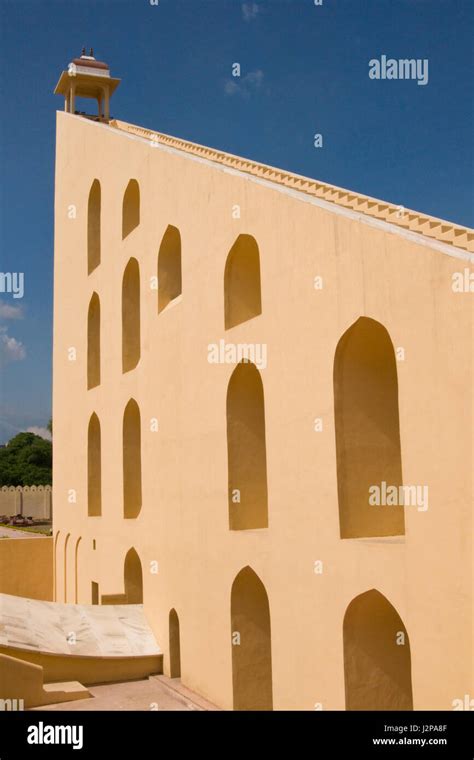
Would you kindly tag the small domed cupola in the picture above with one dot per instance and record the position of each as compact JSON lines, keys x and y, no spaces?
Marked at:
{"x":87,"y":78}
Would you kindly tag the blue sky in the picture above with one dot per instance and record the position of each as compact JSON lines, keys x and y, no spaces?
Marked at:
{"x":304,"y":70}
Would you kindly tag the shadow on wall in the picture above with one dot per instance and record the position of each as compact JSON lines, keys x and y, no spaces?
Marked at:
{"x":251,"y":643}
{"x":93,"y":342}
{"x":132,"y":582}
{"x":242,"y":290}
{"x":94,"y":469}
{"x":93,"y":227}
{"x":377,"y":662}
{"x":132,"y":461}
{"x":130,"y":208}
{"x":246,"y":449}
{"x":367,"y":429}
{"x":131,"y":316}
{"x":169,"y":268}
{"x":175,"y":646}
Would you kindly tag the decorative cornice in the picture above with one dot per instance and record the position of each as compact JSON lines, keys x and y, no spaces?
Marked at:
{"x":429,"y":226}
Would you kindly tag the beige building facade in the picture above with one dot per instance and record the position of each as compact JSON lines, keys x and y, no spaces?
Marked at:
{"x":298,"y":525}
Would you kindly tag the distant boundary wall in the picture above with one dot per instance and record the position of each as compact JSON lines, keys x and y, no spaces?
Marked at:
{"x":29,"y":501}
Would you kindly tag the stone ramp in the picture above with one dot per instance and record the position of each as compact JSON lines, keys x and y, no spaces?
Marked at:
{"x":76,"y":629}
{"x":89,"y":643}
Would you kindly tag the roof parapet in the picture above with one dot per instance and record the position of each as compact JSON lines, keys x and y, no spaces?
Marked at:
{"x":423,"y":224}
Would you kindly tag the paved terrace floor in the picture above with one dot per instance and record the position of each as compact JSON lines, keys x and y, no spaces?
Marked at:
{"x":157,"y":693}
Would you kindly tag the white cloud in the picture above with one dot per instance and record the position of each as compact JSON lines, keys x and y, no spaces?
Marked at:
{"x":250,"y":11}
{"x":231,"y":87}
{"x":11,"y":349}
{"x":7,"y":311}
{"x":41,"y":431}
{"x":244,"y":86}
{"x":254,"y":78}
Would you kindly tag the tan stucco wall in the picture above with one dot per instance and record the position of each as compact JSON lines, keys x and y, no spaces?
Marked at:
{"x":22,"y":683}
{"x":26,"y":567}
{"x":368,"y":269}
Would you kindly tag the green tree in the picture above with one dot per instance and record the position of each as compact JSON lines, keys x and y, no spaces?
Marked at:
{"x":26,"y":460}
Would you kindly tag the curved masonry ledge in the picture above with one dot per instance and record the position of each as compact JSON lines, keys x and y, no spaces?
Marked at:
{"x":75,"y":629}
{"x":425,"y":225}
